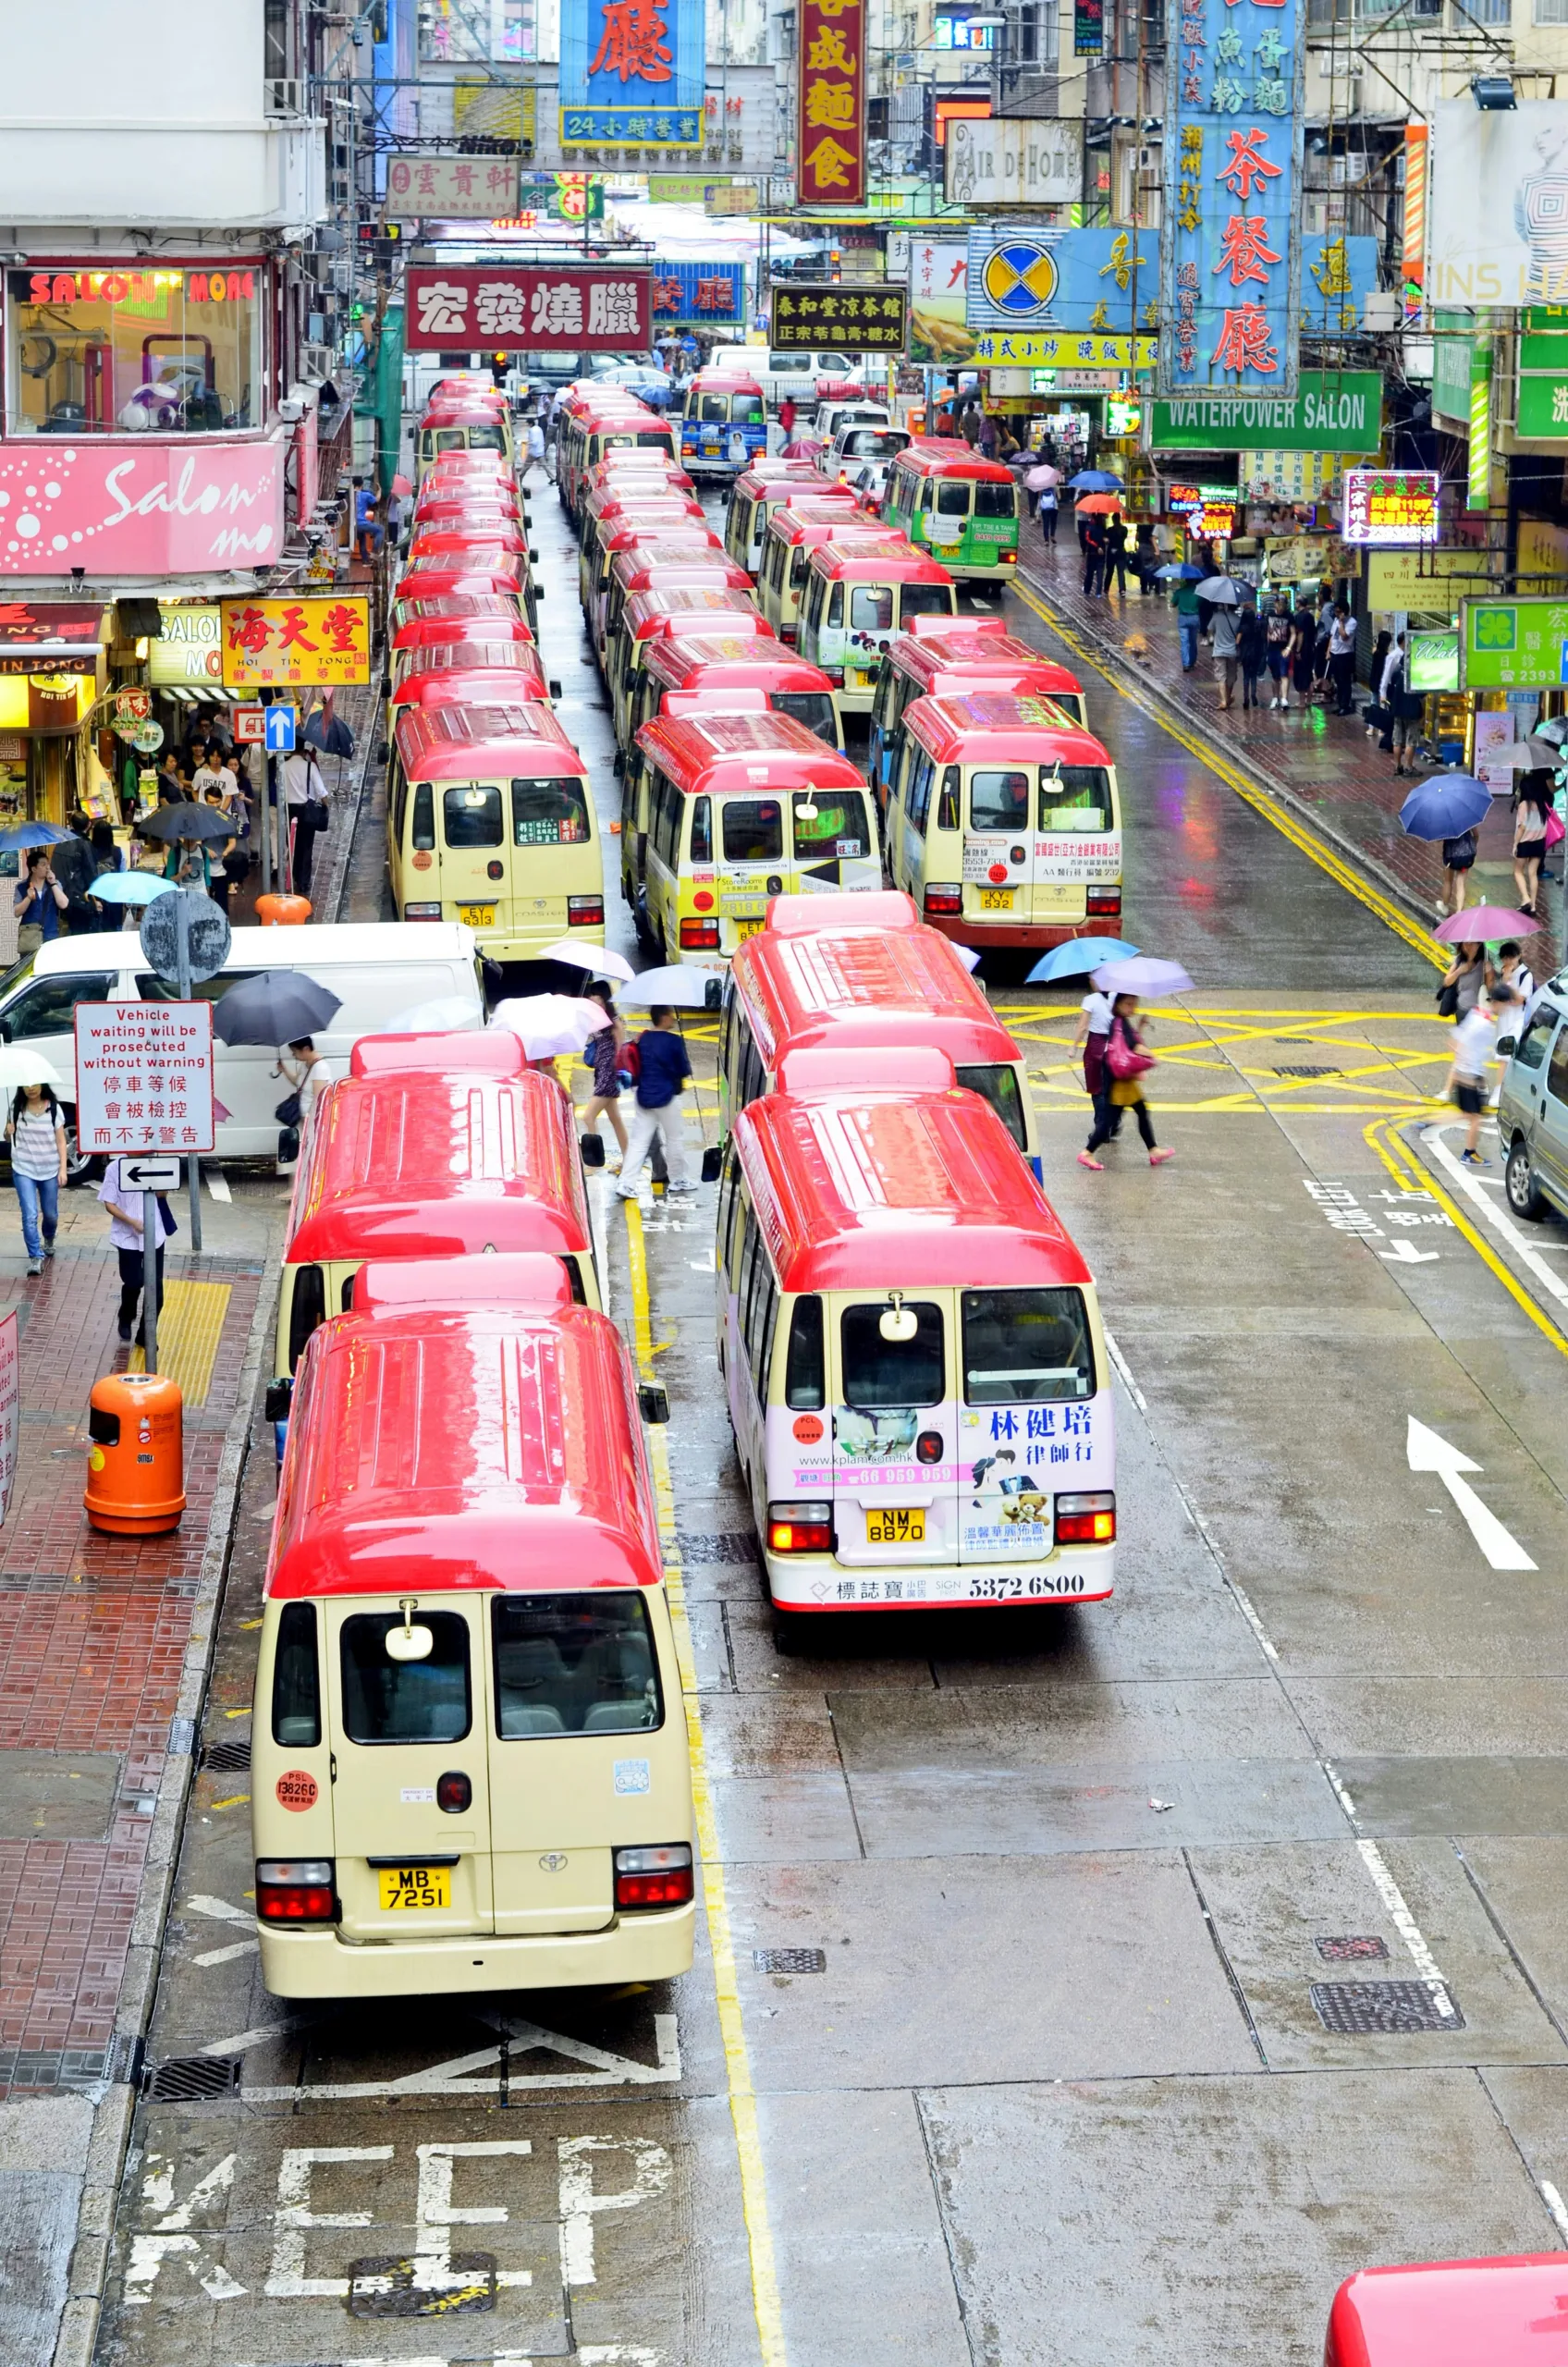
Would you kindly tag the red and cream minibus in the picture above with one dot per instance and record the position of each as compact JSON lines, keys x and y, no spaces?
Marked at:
{"x":852,"y":604}
{"x":942,"y":654}
{"x":792,"y":536}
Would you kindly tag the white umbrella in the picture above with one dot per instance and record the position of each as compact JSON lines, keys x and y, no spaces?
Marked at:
{"x":681,"y":984}
{"x":441,"y":1016}
{"x":19,"y":1066}
{"x":547,"y":1026}
{"x":597,"y":960}
{"x":1140,"y":975}
{"x":1523,"y":755}
{"x":1221,"y":591}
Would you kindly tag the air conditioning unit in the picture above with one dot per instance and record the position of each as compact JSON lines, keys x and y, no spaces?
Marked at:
{"x":316,"y":360}
{"x":1381,"y":311}
{"x":284,"y":94}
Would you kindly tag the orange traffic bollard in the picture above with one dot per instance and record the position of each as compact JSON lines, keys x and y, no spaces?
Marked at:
{"x":136,"y":1454}
{"x":282,"y":911}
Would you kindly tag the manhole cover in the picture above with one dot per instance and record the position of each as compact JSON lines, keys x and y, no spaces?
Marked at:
{"x":227,"y":1757}
{"x":1382,"y":2009}
{"x":718,"y":1545}
{"x":411,"y":2289}
{"x":1304,"y":1068}
{"x":188,"y":2078}
{"x":1353,"y":1947}
{"x":790,"y":1959}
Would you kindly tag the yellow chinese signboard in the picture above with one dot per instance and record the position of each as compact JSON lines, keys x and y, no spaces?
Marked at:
{"x":1066,"y":349}
{"x":315,"y":644}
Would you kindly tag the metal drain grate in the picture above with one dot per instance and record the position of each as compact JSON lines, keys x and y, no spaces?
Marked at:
{"x":1304,"y":1068}
{"x":718,"y":1545}
{"x":191,"y":2078}
{"x":1382,"y":2009}
{"x":227,"y":1758}
{"x":1353,"y":1947}
{"x":790,"y":1959}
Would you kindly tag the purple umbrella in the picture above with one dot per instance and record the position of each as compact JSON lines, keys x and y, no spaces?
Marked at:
{"x":1484,"y":925}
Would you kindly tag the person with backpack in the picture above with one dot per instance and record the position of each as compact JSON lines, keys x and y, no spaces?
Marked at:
{"x":664,"y":1065}
{"x":35,"y":1135}
{"x":1277,"y":648}
{"x":1126,"y":1064}
{"x":39,"y":904}
{"x":1459,"y":854}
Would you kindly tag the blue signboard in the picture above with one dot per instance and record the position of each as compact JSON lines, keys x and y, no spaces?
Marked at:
{"x":1229,"y":249}
{"x":278,"y":727}
{"x":714,"y":293}
{"x":1084,"y":284}
{"x":631,"y":73}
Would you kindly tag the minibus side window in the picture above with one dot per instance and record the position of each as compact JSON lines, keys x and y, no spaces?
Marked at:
{"x":998,"y":800}
{"x":813,"y":708}
{"x":948,"y":806}
{"x":805,"y":1384}
{"x":754,"y":829}
{"x":345,"y":1295}
{"x":997,"y":1083}
{"x":882,"y":698}
{"x":472,"y":818}
{"x":747,"y":1267}
{"x":1026,"y":1347}
{"x":401,"y":806}
{"x":726,"y":1190}
{"x":296,"y":1679}
{"x":732,"y":1249}
{"x":881,"y":1373}
{"x":835,"y":606}
{"x":578,"y":1663}
{"x":927,"y":600}
{"x":386,"y":1700}
{"x":815,"y":592}
{"x":424,"y":819}
{"x":574,"y":1280}
{"x":764,"y":1320}
{"x":1075,"y":797}
{"x":549,"y":813}
{"x":838,"y":830}
{"x":871,"y":609}
{"x":917,"y":794}
{"x":701,"y":830}
{"x":306,"y":1310}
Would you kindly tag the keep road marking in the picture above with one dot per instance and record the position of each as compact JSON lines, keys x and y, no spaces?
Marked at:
{"x":1430,"y":1452}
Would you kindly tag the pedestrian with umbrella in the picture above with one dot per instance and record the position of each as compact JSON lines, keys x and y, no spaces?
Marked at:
{"x":283,"y":1008}
{"x":187,"y":831}
{"x":35,"y":1135}
{"x":1225,"y":642}
{"x":1448,"y":809}
{"x":1126,"y":1061}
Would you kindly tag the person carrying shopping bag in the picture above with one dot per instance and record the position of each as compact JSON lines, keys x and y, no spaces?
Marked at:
{"x":664,"y":1066}
{"x":1126,"y":1064}
{"x":35,"y":1133}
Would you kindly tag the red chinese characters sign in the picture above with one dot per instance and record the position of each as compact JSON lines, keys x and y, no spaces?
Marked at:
{"x":831,"y":133}
{"x":530,"y":308}
{"x":320,"y":643}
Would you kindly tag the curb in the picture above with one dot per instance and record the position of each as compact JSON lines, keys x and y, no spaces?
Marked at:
{"x":1265,"y":784}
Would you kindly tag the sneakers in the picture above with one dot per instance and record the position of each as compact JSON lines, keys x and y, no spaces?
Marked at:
{"x":49,"y":1246}
{"x":1087,"y":1158}
{"x":632,"y":1194}
{"x":679,"y":1191}
{"x":1272,"y":704}
{"x":35,"y":1265}
{"x":1159,"y":1157}
{"x":1471,"y":1158}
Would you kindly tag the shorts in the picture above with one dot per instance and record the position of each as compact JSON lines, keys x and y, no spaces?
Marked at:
{"x":1530,"y":851}
{"x":1402,"y":729}
{"x":1469,"y":1099}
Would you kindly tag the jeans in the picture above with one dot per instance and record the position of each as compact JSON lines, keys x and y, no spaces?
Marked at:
{"x":1188,"y":628}
{"x":133,"y":1271}
{"x":1047,"y":523}
{"x":1094,"y":571}
{"x":35,"y":1193}
{"x":1341,"y":673}
{"x":642,"y":1127}
{"x":1250,"y":679}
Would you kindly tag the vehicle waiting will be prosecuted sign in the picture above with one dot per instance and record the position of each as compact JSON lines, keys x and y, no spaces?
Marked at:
{"x":144,"y":1076}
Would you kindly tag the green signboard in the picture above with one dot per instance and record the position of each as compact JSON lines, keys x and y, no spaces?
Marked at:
{"x":1434,"y":661}
{"x":1543,"y":337}
{"x":1451,"y":364}
{"x":1543,"y":407}
{"x":1334,"y":411}
{"x":1513,"y":645}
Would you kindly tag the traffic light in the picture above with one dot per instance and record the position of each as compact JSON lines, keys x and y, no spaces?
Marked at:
{"x":498,"y":363}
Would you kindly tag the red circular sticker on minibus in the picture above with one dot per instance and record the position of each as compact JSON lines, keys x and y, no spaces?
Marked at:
{"x":423,"y":862}
{"x":997,"y":871}
{"x":808,"y":1429}
{"x":296,"y":1789}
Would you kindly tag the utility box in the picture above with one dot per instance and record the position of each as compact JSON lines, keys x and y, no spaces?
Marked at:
{"x":135,"y":1454}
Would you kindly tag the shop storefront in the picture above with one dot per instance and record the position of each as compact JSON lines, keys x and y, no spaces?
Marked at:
{"x":52,"y":670}
{"x":178,"y":348}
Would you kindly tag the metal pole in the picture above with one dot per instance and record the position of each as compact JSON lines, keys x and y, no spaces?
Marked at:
{"x":182,"y":957}
{"x":264,"y":818}
{"x":150,"y":1277}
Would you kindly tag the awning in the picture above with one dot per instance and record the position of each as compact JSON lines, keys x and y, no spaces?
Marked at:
{"x":67,"y":628}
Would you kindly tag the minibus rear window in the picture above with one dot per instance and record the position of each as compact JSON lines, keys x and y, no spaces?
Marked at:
{"x":549,"y":814}
{"x":387,"y":1700}
{"x":472,"y":818}
{"x":579,"y":1663}
{"x":713,"y":407}
{"x":871,"y":608}
{"x":927,"y":600}
{"x":486,"y":439}
{"x":748,"y":410}
{"x":754,"y":830}
{"x":997,"y":1083}
{"x":1075,"y":797}
{"x":1024,"y":1347}
{"x":813,"y":708}
{"x":655,"y":437}
{"x":999,"y":801}
{"x":884,"y":1373}
{"x":296,"y":1679}
{"x":838,"y":828}
{"x":449,"y":439}
{"x":952,"y":498}
{"x":995,"y":501}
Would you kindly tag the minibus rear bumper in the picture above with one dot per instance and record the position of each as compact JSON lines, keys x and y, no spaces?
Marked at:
{"x":821,"y":1582}
{"x":654,"y":1946}
{"x":1036,"y":936}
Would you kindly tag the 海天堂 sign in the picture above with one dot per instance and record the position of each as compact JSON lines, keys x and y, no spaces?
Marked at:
{"x":317,"y":644}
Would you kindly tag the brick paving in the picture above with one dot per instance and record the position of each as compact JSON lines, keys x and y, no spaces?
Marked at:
{"x":1326,"y":764}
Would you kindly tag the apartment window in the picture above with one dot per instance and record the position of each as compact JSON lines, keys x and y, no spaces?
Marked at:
{"x":171,"y":350}
{"x":1498,"y":12}
{"x":1552,"y":12}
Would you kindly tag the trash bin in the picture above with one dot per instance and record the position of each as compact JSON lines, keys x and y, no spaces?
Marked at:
{"x":135,"y":1454}
{"x":283,"y":912}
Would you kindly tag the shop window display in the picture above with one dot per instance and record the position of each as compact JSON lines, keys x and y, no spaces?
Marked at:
{"x":124,"y":351}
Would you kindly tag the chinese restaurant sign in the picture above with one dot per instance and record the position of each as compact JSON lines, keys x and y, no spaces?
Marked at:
{"x":1230,"y":254}
{"x":1097,"y":281}
{"x":534,"y":308}
{"x":1391,"y":508}
{"x":319,"y":643}
{"x":831,"y":132}
{"x":1333,"y":412}
{"x":837,"y":318}
{"x":633,"y":71}
{"x":450,"y":188}
{"x":704,"y":292}
{"x":1513,"y":645}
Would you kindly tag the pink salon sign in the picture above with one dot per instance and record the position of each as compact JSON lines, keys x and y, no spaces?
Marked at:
{"x":143,"y":505}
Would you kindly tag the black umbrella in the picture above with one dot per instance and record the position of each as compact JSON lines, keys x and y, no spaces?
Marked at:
{"x":277,"y":1008}
{"x":189,"y":822}
{"x":330,"y":733}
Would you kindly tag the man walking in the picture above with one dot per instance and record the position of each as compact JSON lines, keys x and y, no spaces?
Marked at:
{"x":663,"y":1067}
{"x":1188,"y":620}
{"x":1226,"y":654}
{"x":1341,"y":658}
{"x":1093,"y":539}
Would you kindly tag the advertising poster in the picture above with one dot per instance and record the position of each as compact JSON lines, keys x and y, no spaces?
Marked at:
{"x":701,"y":294}
{"x":1511,"y":250}
{"x":831,"y":132}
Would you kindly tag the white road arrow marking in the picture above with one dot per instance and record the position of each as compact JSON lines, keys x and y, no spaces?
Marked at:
{"x":1428,"y":1451}
{"x":1404,"y":1253}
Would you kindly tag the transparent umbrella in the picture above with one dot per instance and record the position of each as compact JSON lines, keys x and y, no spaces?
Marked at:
{"x":547,"y":1026}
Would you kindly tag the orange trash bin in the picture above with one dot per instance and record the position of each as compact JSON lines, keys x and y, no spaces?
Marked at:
{"x":135,"y":1454}
{"x":283,"y":912}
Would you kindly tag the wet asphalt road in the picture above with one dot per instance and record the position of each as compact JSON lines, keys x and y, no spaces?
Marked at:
{"x":1178,"y":1956}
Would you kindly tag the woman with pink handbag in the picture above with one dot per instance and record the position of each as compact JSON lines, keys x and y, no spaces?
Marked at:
{"x":1126,"y":1062}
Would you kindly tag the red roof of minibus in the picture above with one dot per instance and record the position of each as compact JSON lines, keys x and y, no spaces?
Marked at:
{"x":821,"y":521}
{"x":440,"y":633}
{"x":633,"y":500}
{"x":841,"y":910}
{"x":469,"y":686}
{"x":482,"y":543}
{"x":975,"y":726}
{"x":693,"y":661}
{"x":841,"y":563}
{"x":431,"y":1451}
{"x":450,"y":608}
{"x":413,"y":1165}
{"x":878,"y":1191}
{"x":519,"y":659}
{"x":899,"y":985}
{"x":652,"y":614}
{"x":466,"y":409}
{"x":1452,"y":2313}
{"x":865,"y":1068}
{"x":637,"y":571}
{"x":947,"y":660}
{"x":715,"y":698}
{"x":720,"y":752}
{"x":948,"y":456}
{"x":467,"y":509}
{"x":512,"y":1278}
{"x":466,"y":1051}
{"x":486,"y":744}
{"x":432,"y":582}
{"x":767,"y":472}
{"x":723,"y":378}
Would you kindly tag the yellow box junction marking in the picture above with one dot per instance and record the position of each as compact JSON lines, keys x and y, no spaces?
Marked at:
{"x":189,"y":1327}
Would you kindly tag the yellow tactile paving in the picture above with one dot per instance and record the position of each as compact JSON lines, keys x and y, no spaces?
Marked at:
{"x":189,"y":1330}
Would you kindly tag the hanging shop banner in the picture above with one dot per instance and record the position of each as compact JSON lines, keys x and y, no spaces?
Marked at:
{"x":831,"y":132}
{"x":1513,"y":645}
{"x":707,"y":295}
{"x":1288,"y":476}
{"x":1417,"y":139}
{"x":450,"y":189}
{"x":1037,"y":278}
{"x":1495,"y":207}
{"x":531,"y":308}
{"x":190,"y":648}
{"x":1424,"y":582}
{"x":1088,"y":28}
{"x":1391,"y":508}
{"x":1332,"y":412}
{"x":938,"y":276}
{"x":1543,"y":337}
{"x":1543,"y":409}
{"x":1229,"y":249}
{"x":1005,"y":160}
{"x":633,"y":71}
{"x":807,"y":319}
{"x":1433,"y":661}
{"x":1108,"y":357}
{"x":323,"y":643}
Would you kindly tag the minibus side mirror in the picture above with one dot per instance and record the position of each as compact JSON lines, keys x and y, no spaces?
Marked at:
{"x":593,"y":1150}
{"x":555,"y":689}
{"x":712,"y":1163}
{"x":278,"y":1399}
{"x":652,"y":1403}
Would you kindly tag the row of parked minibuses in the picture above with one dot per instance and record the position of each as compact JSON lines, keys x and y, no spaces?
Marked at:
{"x":489,"y":818}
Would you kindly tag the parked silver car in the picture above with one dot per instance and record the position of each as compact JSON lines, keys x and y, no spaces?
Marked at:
{"x":1532,"y":1110}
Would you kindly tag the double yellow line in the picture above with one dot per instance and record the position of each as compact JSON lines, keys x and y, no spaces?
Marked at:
{"x":1427,"y":1181}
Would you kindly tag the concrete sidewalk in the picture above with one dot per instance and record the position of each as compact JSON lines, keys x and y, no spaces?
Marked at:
{"x":1337,"y":779}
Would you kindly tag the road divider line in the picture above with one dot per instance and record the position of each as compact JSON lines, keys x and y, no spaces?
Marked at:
{"x":1500,"y":1221}
{"x":1393,"y":1899}
{"x":1372,"y":1135}
{"x":766,"y":2304}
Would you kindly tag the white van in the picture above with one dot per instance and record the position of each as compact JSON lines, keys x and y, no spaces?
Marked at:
{"x":380,"y":971}
{"x":796,"y":374}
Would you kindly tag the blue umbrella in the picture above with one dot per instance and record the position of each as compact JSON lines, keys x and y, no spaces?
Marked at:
{"x":1181,"y":570}
{"x":129,"y":887}
{"x":1078,"y":957}
{"x":1444,"y":807}
{"x":31,"y":834}
{"x":1094,"y":480}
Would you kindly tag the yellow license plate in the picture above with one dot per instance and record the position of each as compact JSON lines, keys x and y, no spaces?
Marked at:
{"x":415,"y":1886}
{"x":896,"y":1524}
{"x":747,"y":928}
{"x":996,"y":899}
{"x":477,"y":915}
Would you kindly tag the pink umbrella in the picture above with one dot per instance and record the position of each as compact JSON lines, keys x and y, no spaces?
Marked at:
{"x":1484,"y":925}
{"x":401,"y":487}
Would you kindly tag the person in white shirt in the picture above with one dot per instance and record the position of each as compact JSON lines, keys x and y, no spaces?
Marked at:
{"x":1093,"y":1035}
{"x":127,"y":1220}
{"x":1473,"y":1041}
{"x":303,"y":787}
{"x":310,"y":1075}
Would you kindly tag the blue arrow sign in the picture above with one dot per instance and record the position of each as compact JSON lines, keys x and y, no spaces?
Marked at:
{"x":279,"y":730}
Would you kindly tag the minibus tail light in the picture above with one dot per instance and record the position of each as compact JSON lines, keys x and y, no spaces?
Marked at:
{"x":454,"y":1792}
{"x":1085,"y":1520}
{"x":946,"y":902}
{"x":800,"y":1528}
{"x":660,"y":1876}
{"x":1103,"y":900}
{"x":584,"y":912}
{"x":698,"y":937}
{"x":295,"y":1890}
{"x":422,"y":912}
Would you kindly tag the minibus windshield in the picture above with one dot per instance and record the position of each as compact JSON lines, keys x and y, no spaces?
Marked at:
{"x":997,"y":1083}
{"x":574,"y":1664}
{"x":389,"y":1700}
{"x":1024,"y":1347}
{"x":813,"y":708}
{"x":881,"y":1373}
